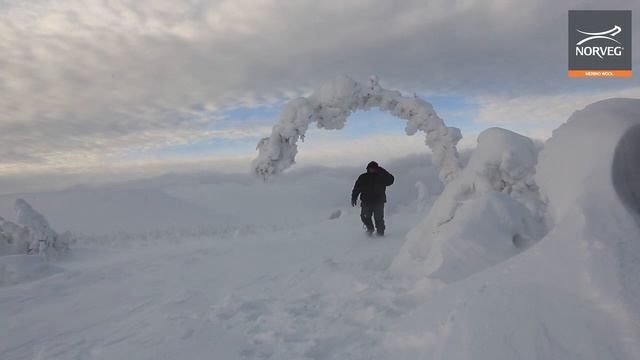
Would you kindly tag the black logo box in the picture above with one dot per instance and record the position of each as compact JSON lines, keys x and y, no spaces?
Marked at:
{"x":598,"y":21}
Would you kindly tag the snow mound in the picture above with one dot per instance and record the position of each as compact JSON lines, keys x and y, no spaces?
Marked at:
{"x":598,"y":148}
{"x":330,"y":106}
{"x":472,"y":243}
{"x":485,"y":215}
{"x":18,"y":269}
{"x":573,"y":295}
{"x":590,"y":139}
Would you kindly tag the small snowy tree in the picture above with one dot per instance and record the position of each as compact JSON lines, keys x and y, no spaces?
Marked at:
{"x":42,"y":236}
{"x":30,"y":234}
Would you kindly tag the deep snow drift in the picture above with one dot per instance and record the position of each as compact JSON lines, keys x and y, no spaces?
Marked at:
{"x":523,"y":255}
{"x":575,"y":294}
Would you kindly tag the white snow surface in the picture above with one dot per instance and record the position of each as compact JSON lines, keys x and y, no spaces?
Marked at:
{"x":489,"y":212}
{"x":311,"y":287}
{"x":16,"y":269}
{"x":331,"y":105}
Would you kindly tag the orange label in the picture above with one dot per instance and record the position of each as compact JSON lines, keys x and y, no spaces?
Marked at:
{"x":600,"y":73}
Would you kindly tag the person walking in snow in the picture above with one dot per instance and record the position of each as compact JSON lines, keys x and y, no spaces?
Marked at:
{"x":371,"y":187}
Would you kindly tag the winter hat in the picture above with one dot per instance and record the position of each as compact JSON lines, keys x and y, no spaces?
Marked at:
{"x":372,"y":164}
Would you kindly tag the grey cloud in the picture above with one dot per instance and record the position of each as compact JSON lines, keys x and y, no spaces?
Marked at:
{"x":80,"y":76}
{"x":13,"y":157}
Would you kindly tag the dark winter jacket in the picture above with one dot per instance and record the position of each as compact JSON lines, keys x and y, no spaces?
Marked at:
{"x":371,"y":187}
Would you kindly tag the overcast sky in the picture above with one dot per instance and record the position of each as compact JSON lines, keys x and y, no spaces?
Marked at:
{"x":89,"y":86}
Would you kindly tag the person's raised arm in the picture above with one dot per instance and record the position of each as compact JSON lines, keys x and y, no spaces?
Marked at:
{"x":388,"y":178}
{"x":355,"y":192}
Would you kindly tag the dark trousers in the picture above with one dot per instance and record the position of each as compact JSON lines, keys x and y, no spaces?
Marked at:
{"x":377,"y":210}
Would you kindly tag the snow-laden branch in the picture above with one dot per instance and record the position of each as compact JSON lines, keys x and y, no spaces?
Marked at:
{"x":334,"y":102}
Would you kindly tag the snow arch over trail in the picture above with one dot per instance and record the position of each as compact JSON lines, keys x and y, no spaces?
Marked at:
{"x":331,"y":105}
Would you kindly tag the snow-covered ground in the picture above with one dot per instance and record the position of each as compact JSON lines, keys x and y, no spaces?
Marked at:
{"x":524,"y":255}
{"x":170,"y":292}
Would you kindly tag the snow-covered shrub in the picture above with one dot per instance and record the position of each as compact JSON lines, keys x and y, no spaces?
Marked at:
{"x":31,"y":233}
{"x":495,"y":192}
{"x":331,"y":105}
{"x":504,"y":162}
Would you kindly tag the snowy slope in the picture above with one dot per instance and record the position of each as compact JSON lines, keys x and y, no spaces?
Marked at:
{"x":314,"y":288}
{"x":214,"y":200}
{"x":104,"y":210}
{"x":199,"y":299}
{"x":574,"y":295}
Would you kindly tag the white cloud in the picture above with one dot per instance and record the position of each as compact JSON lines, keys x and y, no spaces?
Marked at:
{"x":337,"y":151}
{"x":548,"y":110}
{"x":84,"y":81}
{"x":320,"y":149}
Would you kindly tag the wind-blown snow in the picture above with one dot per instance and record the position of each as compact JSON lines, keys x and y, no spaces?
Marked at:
{"x":541,"y":261}
{"x":14,"y":239}
{"x":331,"y":105}
{"x":17,"y":269}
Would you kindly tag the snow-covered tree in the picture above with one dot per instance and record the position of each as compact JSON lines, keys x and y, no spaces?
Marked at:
{"x":331,"y":105}
{"x":494,"y":197}
{"x":31,"y":233}
{"x":42,"y":236}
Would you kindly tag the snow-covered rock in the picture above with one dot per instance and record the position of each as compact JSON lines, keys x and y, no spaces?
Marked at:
{"x":330,"y":106}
